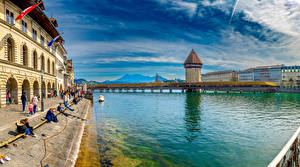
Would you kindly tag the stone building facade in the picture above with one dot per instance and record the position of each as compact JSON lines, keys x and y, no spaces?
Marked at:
{"x":24,"y":54}
{"x":193,"y":66}
{"x":220,"y":76}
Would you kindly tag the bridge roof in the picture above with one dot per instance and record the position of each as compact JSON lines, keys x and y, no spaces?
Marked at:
{"x":193,"y":59}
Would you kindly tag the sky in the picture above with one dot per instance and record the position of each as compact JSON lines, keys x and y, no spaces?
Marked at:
{"x":107,"y":39}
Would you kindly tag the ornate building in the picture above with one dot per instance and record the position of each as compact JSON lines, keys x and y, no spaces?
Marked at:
{"x":24,"y":54}
{"x":220,"y":76}
{"x":193,"y":67}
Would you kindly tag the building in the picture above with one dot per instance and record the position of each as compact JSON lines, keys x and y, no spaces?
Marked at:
{"x":24,"y":54}
{"x":268,"y":74}
{"x":220,"y":76}
{"x":290,"y":77}
{"x":246,"y":75}
{"x":193,"y":67}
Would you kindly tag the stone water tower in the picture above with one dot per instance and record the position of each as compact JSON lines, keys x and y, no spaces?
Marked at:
{"x":193,"y":67}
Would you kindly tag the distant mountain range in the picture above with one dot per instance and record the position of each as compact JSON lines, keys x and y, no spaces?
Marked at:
{"x":128,"y":78}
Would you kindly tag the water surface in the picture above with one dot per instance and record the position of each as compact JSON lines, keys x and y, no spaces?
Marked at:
{"x":163,"y":129}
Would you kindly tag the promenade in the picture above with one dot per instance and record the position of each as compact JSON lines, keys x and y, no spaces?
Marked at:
{"x":62,"y":148}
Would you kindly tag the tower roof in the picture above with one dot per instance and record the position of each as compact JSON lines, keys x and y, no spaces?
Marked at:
{"x":192,"y":59}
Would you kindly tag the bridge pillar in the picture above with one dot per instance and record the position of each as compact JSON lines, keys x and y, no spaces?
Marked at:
{"x":134,"y":90}
{"x":120,"y":90}
{"x":194,"y":90}
{"x":101,"y":90}
{"x":152,"y":90}
{"x":161,"y":90}
{"x":182,"y":90}
{"x":127,"y":90}
{"x":107,"y":90}
{"x":113,"y":90}
{"x":227,"y":91}
{"x":143,"y":90}
{"x":170,"y":90}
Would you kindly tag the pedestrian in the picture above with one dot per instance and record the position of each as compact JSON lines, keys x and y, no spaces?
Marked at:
{"x":7,"y":99}
{"x":66,"y":100}
{"x":35,"y":103}
{"x":50,"y":116}
{"x":24,"y":127}
{"x":30,"y":106}
{"x":23,"y":99}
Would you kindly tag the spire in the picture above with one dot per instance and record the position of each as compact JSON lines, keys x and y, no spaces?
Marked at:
{"x":193,"y":61}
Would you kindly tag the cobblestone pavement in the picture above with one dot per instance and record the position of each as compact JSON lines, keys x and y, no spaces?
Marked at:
{"x":11,"y":114}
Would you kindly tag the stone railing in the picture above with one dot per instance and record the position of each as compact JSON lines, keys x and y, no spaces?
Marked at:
{"x":289,"y":155}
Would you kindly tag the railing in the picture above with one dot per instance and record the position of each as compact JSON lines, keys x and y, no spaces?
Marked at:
{"x":289,"y":155}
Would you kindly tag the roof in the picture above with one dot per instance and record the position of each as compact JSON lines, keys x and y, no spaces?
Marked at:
{"x":193,"y":58}
{"x":39,"y":16}
{"x":219,"y":72}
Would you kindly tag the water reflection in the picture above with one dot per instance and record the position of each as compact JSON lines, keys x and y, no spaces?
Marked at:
{"x":192,"y":116}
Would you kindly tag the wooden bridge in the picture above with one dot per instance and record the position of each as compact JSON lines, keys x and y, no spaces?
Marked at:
{"x":266,"y":87}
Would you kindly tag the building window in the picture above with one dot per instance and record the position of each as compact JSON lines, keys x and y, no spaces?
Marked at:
{"x":42,"y":62}
{"x":9,"y":17}
{"x":48,"y":66}
{"x":10,"y":47}
{"x":42,"y":40}
{"x":24,"y":26}
{"x":34,"y":34}
{"x":25,"y":55}
{"x":53,"y":68}
{"x":35,"y":60}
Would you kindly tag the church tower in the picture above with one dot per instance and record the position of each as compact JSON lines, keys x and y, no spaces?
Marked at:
{"x":193,"y":67}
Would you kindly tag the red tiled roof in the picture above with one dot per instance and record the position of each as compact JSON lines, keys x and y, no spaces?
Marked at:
{"x":193,"y":59}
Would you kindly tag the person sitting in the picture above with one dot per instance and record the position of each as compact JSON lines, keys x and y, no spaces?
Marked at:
{"x":66,"y":100}
{"x":2,"y":158}
{"x":50,"y":116}
{"x":24,"y":127}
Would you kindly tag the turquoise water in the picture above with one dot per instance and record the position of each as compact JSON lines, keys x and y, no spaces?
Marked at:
{"x":163,"y":129}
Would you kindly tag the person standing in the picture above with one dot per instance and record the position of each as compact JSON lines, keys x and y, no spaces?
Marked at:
{"x":23,"y":99}
{"x":35,"y":103}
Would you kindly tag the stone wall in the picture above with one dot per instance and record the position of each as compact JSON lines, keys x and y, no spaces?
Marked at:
{"x":193,"y":75}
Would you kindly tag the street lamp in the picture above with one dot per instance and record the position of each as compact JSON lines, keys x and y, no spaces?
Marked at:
{"x":42,"y":87}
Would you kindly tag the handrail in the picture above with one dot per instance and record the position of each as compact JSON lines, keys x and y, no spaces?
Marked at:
{"x":282,"y":154}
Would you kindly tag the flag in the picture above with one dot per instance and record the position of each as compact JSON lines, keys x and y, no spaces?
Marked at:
{"x":51,"y":42}
{"x":27,"y":10}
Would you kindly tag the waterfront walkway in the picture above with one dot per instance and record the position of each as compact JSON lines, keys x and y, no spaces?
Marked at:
{"x":62,"y":148}
{"x":13,"y":113}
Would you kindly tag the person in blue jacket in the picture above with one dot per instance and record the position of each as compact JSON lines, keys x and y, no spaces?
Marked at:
{"x":50,"y":116}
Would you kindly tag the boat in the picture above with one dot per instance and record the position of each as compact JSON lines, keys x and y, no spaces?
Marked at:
{"x":101,"y":98}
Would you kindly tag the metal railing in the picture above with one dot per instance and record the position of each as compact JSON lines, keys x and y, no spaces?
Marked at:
{"x":289,"y":155}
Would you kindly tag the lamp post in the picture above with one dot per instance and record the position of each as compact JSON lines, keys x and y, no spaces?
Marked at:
{"x":43,"y":93}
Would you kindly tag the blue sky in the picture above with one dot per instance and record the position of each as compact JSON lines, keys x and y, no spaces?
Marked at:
{"x":109,"y":38}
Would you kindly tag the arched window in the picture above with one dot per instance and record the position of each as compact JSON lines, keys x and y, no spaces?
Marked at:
{"x":25,"y":55}
{"x":35,"y":65}
{"x":48,"y":66}
{"x":10,"y":46}
{"x":53,"y":68}
{"x":42,"y":62}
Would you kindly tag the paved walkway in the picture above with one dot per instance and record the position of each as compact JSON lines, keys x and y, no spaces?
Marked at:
{"x":62,"y":147}
{"x":11,"y":114}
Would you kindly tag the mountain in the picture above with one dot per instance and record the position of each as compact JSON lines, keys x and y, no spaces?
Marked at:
{"x":128,"y":78}
{"x":137,"y":78}
{"x":80,"y":81}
